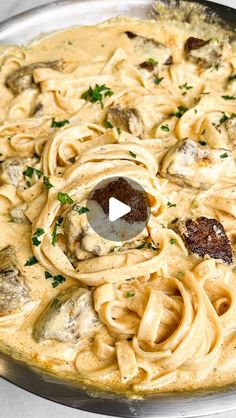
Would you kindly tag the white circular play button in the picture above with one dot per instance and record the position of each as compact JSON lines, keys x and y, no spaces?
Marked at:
{"x":118,"y":209}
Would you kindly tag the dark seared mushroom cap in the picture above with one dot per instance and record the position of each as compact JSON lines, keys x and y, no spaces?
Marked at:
{"x":206,"y":237}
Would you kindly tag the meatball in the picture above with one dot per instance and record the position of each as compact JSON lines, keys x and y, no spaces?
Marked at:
{"x":187,"y":163}
{"x":13,"y":291}
{"x":206,"y":237}
{"x":69,"y":317}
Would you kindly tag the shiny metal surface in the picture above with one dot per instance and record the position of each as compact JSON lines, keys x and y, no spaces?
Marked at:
{"x":19,"y":30}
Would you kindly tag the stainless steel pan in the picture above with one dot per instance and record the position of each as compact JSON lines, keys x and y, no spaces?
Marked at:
{"x":20,"y":29}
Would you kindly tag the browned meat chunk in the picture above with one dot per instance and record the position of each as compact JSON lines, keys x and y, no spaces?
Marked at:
{"x":68,"y":317}
{"x":22,"y":79}
{"x":206,"y":237}
{"x":13,"y":292}
{"x":205,"y":53}
{"x":127,"y":119}
{"x":12,"y":170}
{"x":187,"y":163}
{"x":194,"y":43}
{"x":150,"y":48}
{"x":120,"y":189}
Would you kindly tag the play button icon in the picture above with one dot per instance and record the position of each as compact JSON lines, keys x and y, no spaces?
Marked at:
{"x":117,"y":209}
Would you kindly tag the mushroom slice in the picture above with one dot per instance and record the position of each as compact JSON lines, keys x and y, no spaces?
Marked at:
{"x":150,"y":48}
{"x":206,"y":53}
{"x":12,"y":170}
{"x":18,"y":214}
{"x":22,"y":79}
{"x":127,"y":119}
{"x":187,"y":163}
{"x":13,"y":291}
{"x":69,"y":317}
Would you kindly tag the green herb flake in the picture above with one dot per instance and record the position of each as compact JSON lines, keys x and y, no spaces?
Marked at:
{"x":36,"y":241}
{"x":31,"y":261}
{"x":54,"y":235}
{"x":129,"y":294}
{"x":158,"y":80}
{"x":165,"y":128}
{"x":56,"y":304}
{"x":80,"y":209}
{"x":64,"y":198}
{"x":225,"y":155}
{"x":108,"y":124}
{"x":232,"y":78}
{"x":47,"y":183}
{"x":57,"y":280}
{"x":48,"y":275}
{"x":29,"y":172}
{"x":228,"y":97}
{"x":118,"y":131}
{"x":181,"y":110}
{"x":39,"y":232}
{"x":179,"y":275}
{"x":97,"y":94}
{"x":224,"y":118}
{"x":152,"y":61}
{"x":132,"y":154}
{"x":173,"y":241}
{"x":171,"y":205}
{"x":185,"y":86}
{"x":174,"y":221}
{"x":59,"y":124}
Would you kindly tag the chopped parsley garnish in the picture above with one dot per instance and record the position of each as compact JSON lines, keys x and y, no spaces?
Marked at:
{"x":64,"y":198}
{"x":39,"y":231}
{"x":31,"y":261}
{"x":54,"y":232}
{"x":203,"y":143}
{"x":224,"y":118}
{"x":173,"y":241}
{"x":185,"y":86}
{"x":132,"y":154}
{"x":225,"y":155}
{"x":129,"y":294}
{"x":97,"y":94}
{"x":165,"y":128}
{"x":59,"y":124}
{"x":118,"y":130}
{"x":147,"y":245}
{"x":152,"y":61}
{"x":228,"y":97}
{"x":29,"y":172}
{"x":171,"y":205}
{"x":80,"y":209}
{"x":47,"y":183}
{"x":180,"y":274}
{"x":56,"y":303}
{"x":174,"y":221}
{"x":108,"y":124}
{"x":158,"y":80}
{"x":57,"y":280}
{"x":36,"y":241}
{"x":232,"y":78}
{"x":180,"y":112}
